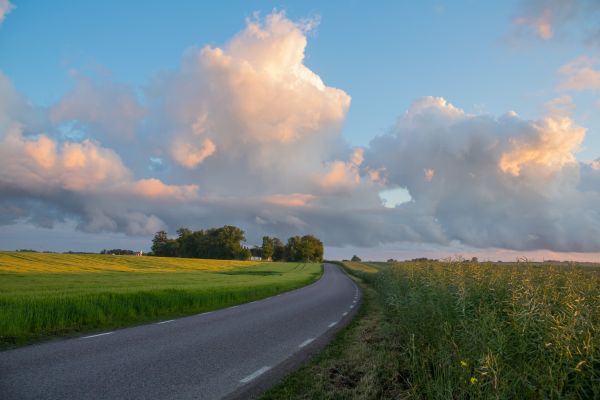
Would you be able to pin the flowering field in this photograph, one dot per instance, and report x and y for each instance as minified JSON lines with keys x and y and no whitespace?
{"x":469,"y":330}
{"x":46,"y":295}
{"x":23,"y":262}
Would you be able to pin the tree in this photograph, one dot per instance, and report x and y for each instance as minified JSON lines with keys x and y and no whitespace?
{"x":306,"y":249}
{"x":267,"y":248}
{"x":355,"y":258}
{"x":162,"y":246}
{"x":278,"y":250}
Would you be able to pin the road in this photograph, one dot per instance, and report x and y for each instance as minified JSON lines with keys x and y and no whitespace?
{"x":235,"y":352}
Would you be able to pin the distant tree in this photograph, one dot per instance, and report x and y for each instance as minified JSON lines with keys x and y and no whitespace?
{"x":162,"y":246}
{"x":306,"y":249}
{"x":474,"y":260}
{"x":356,"y":258}
{"x":278,"y":250}
{"x":267,"y":248}
{"x":244,"y":254}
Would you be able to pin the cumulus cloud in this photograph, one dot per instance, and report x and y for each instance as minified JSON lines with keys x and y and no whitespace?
{"x":246,"y":131}
{"x":5,"y":8}
{"x":498,"y":182}
{"x":247,"y":134}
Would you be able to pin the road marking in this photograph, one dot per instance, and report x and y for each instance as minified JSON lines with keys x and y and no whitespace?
{"x":332,"y":324}
{"x":351,"y":307}
{"x":307,"y":341}
{"x":235,"y":306}
{"x":344,"y":314}
{"x":255,"y":374}
{"x":100,"y":334}
{"x":165,"y":322}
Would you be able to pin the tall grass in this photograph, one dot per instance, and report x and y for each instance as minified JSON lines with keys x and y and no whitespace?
{"x":113,"y":291}
{"x":464,"y":330}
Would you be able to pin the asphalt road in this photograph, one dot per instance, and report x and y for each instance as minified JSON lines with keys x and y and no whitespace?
{"x":234,"y":352}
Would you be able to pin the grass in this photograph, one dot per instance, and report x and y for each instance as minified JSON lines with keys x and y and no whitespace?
{"x":439,"y":330}
{"x":49,"y":295}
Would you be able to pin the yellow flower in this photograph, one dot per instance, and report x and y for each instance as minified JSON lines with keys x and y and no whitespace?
{"x":464,"y":364}
{"x":473,"y":380}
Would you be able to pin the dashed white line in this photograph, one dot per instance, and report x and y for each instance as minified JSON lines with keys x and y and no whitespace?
{"x":351,"y":307}
{"x":100,"y":334}
{"x":306,"y":342}
{"x":255,"y":374}
{"x":165,"y":322}
{"x":344,"y":314}
{"x":331,"y":325}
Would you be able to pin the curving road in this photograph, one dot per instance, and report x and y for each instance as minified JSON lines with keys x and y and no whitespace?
{"x":235,"y":353}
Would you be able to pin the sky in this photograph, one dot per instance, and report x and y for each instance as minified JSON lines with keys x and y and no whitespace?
{"x":388,"y":129}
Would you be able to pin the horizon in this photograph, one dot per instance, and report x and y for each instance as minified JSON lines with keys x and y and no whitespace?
{"x":423,"y":130}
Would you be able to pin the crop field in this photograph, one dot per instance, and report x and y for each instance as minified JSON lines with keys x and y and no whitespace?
{"x":443,"y":330}
{"x":492,"y":330}
{"x":47,"y":295}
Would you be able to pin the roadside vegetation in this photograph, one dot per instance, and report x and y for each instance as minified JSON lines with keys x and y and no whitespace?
{"x":47,"y":295}
{"x":439,"y":330}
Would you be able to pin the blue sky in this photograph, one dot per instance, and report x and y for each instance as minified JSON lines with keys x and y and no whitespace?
{"x":384,"y":55}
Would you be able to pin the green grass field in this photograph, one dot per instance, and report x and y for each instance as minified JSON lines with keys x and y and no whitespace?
{"x":440,"y":330}
{"x":48,"y":295}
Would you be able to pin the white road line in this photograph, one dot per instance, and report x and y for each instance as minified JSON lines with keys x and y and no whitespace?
{"x":351,"y":307}
{"x":255,"y":374}
{"x":344,"y":314}
{"x":332,"y":324}
{"x":306,"y":342}
{"x":165,"y":322}
{"x":100,"y":334}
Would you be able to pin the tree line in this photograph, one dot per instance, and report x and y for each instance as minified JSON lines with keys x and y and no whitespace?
{"x":225,"y":243}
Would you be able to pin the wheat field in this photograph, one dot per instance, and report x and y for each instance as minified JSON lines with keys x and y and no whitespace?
{"x":48,"y":295}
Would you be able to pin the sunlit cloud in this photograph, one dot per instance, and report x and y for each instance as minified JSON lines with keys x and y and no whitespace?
{"x":582,"y":73}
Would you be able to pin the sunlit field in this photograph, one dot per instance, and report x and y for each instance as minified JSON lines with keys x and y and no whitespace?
{"x":45,"y":295}
{"x":482,"y":330}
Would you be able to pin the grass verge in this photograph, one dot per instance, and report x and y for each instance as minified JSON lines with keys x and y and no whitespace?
{"x":357,"y":364}
{"x":103,"y":292}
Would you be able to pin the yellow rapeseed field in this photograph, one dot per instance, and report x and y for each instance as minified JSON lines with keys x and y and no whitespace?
{"x":22,"y":262}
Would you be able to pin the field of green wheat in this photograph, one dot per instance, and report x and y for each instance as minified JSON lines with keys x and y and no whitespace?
{"x":482,"y":330}
{"x":48,"y":295}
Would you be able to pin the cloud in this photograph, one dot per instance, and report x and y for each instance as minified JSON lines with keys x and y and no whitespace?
{"x":191,"y":155}
{"x":498,"y":182}
{"x":253,"y":100}
{"x":247,"y":134}
{"x":541,"y":24}
{"x":5,"y":8}
{"x":244,"y":121}
{"x":547,"y":18}
{"x":581,"y":74}
{"x":108,"y":110}
{"x":343,"y":175}
{"x":290,"y":200}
